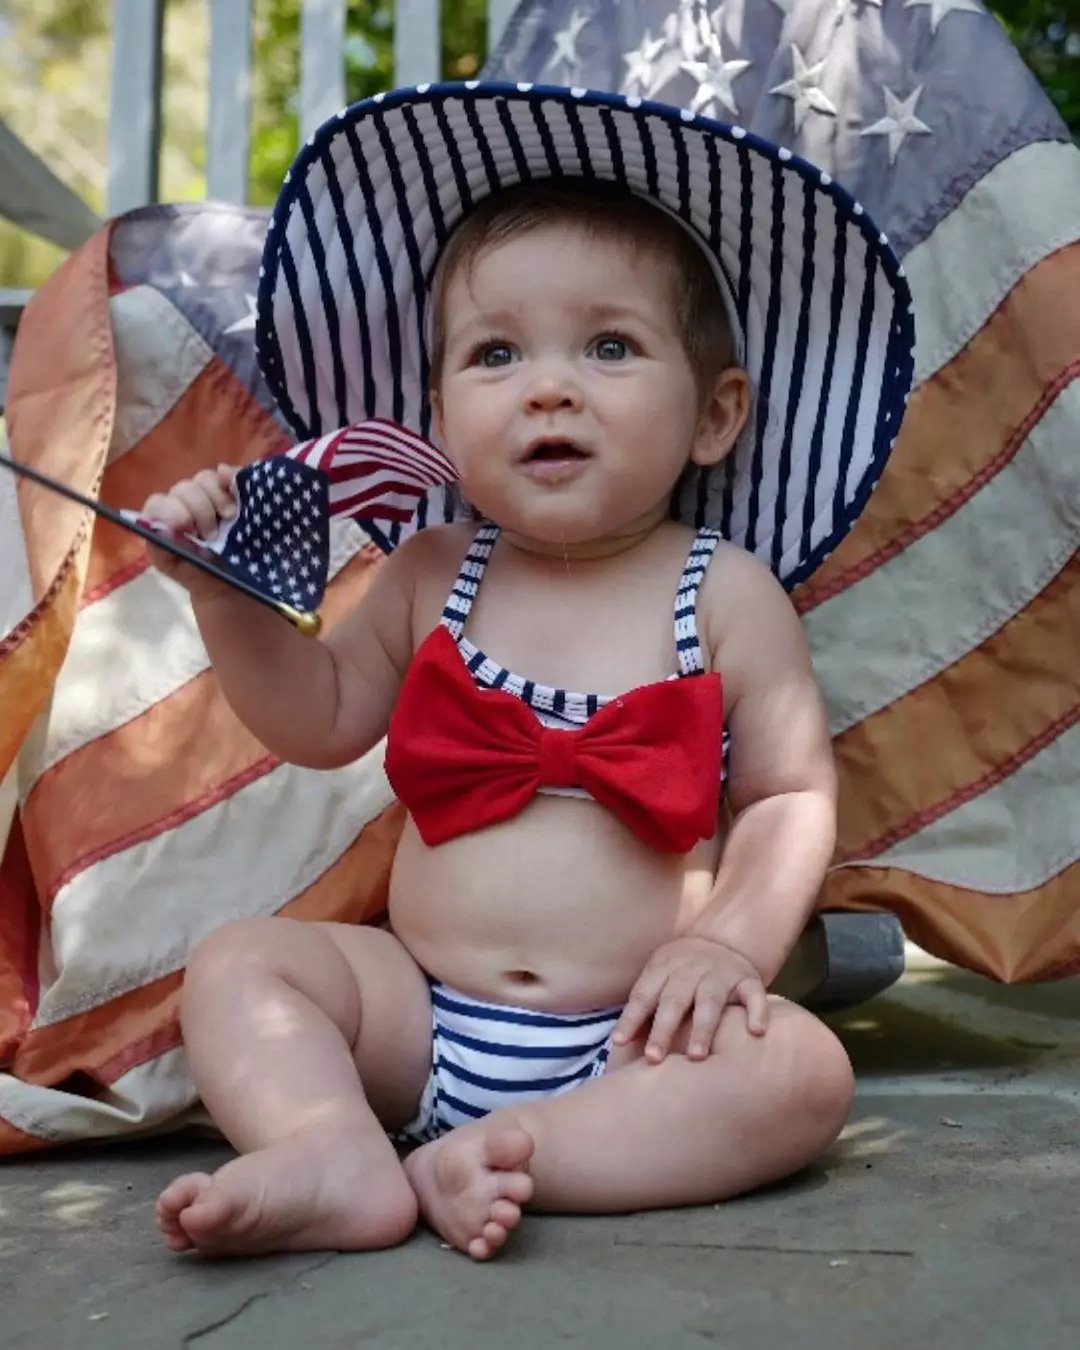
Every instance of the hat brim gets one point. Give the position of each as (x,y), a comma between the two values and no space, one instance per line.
(824,310)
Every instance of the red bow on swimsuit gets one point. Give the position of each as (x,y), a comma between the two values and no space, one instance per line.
(461,758)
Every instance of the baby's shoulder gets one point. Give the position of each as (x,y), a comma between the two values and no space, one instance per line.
(738,577)
(435,543)
(429,560)
(739,599)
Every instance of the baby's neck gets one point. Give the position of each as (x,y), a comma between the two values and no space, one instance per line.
(624,540)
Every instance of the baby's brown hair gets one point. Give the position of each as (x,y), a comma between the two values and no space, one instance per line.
(606,210)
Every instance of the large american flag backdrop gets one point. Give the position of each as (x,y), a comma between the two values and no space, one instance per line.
(138,814)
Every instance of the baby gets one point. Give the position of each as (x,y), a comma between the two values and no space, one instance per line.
(594,891)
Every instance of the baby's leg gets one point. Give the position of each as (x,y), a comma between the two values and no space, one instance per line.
(307,1042)
(647,1136)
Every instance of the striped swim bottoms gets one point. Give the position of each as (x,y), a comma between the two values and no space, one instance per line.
(487,1055)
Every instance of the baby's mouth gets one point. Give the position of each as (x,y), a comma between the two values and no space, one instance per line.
(553,451)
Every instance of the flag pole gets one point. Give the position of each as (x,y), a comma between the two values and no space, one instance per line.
(307,623)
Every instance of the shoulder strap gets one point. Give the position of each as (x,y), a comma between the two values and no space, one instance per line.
(469,577)
(687,644)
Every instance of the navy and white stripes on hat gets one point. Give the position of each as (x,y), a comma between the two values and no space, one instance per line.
(820,306)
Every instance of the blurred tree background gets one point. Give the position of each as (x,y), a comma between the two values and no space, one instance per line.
(54,76)
(1047,34)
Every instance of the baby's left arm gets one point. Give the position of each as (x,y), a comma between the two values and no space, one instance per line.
(782,793)
(781,776)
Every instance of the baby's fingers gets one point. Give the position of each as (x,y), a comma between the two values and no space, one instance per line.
(670,1014)
(708,1010)
(207,500)
(754,998)
(170,511)
(226,476)
(218,485)
(177,519)
(191,501)
(639,1007)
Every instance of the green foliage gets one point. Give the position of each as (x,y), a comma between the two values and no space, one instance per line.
(369,68)
(67,24)
(1047,33)
(54,61)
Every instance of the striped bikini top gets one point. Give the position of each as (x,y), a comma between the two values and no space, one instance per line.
(470,743)
(561,707)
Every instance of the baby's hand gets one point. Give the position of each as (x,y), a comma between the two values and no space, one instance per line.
(196,505)
(695,976)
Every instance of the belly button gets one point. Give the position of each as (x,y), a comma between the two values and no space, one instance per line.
(523,977)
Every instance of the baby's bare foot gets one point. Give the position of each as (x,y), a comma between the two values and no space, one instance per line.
(312,1192)
(472,1183)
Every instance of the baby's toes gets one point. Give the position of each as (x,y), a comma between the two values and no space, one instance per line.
(485,1247)
(172,1202)
(516,1187)
(505,1214)
(180,1193)
(175,1238)
(508,1149)
(504,1217)
(177,1196)
(214,1212)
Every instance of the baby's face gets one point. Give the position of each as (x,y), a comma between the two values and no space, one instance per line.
(566,399)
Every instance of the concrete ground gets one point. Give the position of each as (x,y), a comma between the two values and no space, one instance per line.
(949,1215)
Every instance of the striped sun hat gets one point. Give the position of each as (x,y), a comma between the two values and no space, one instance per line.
(817,300)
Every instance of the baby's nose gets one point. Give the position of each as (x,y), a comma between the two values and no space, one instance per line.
(553,389)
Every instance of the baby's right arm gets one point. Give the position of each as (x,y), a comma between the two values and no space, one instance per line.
(317,703)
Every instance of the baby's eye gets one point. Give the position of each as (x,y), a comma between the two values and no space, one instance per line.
(493,355)
(612,349)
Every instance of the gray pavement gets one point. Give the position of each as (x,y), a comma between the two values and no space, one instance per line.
(948,1215)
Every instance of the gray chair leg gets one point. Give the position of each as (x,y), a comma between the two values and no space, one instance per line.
(842,960)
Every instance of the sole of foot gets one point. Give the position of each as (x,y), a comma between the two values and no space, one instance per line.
(314,1193)
(472,1183)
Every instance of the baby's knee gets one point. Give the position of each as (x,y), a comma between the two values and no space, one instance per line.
(238,954)
(235,943)
(821,1080)
(259,958)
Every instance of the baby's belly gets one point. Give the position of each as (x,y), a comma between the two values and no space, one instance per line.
(556,909)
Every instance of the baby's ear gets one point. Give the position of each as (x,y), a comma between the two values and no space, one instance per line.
(722,418)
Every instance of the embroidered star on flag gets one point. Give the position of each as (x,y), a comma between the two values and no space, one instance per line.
(279,540)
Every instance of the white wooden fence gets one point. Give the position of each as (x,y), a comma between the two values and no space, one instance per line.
(134,116)
(135,95)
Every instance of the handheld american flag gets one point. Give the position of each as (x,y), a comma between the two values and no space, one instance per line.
(278,543)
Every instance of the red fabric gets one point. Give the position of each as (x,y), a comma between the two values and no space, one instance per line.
(461,757)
